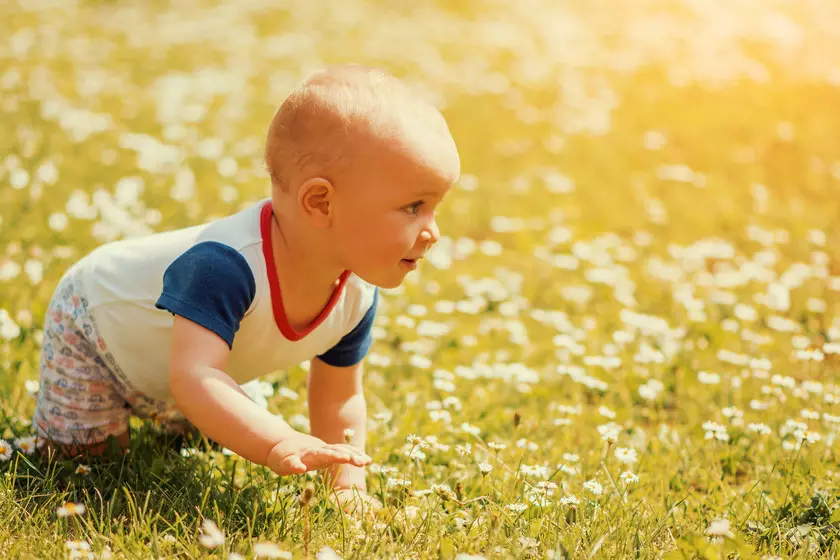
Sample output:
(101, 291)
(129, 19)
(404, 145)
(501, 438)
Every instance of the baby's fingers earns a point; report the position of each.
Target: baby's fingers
(324, 457)
(359, 459)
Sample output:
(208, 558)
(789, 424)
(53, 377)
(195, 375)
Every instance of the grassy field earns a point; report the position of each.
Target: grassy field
(625, 346)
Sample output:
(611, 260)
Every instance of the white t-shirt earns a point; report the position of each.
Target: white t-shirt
(220, 275)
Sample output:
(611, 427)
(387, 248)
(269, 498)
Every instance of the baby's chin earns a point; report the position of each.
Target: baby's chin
(385, 281)
(389, 285)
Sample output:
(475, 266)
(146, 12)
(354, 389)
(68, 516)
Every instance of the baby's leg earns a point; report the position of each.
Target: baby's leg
(78, 406)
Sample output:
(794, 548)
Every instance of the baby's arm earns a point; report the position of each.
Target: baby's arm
(337, 403)
(217, 406)
(336, 400)
(213, 401)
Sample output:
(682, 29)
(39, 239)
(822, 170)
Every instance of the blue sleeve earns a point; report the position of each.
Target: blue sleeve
(210, 284)
(354, 346)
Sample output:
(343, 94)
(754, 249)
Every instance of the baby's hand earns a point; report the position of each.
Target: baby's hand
(300, 453)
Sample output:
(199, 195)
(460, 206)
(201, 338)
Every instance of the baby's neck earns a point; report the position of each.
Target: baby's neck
(304, 271)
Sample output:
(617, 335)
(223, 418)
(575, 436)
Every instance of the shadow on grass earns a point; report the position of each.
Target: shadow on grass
(165, 484)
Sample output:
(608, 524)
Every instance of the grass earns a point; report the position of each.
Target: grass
(638, 204)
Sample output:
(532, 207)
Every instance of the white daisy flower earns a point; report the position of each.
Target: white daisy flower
(5, 450)
(570, 500)
(628, 477)
(70, 509)
(26, 445)
(211, 536)
(270, 550)
(327, 553)
(719, 528)
(808, 436)
(626, 455)
(594, 487)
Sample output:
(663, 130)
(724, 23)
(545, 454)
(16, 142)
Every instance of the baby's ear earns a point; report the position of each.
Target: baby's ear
(315, 198)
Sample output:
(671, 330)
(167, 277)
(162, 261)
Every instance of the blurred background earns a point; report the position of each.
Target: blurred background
(643, 240)
(643, 124)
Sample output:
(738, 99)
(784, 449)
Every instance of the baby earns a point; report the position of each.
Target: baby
(169, 326)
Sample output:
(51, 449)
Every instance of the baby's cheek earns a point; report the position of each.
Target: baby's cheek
(397, 245)
(363, 230)
(382, 238)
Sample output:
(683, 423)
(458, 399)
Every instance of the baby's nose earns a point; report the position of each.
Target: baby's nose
(431, 234)
(427, 239)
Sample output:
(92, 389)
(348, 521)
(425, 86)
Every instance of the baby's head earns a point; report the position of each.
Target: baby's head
(361, 161)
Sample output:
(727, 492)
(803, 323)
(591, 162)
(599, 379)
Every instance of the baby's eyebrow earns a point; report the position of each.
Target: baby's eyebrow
(421, 194)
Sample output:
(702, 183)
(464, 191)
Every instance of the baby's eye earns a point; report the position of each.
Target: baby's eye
(414, 208)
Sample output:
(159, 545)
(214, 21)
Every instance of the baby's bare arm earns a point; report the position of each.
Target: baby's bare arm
(212, 401)
(337, 403)
(217, 406)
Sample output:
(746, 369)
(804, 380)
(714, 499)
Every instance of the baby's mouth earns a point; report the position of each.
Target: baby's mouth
(410, 263)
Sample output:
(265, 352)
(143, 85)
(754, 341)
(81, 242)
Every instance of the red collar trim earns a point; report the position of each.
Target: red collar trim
(280, 318)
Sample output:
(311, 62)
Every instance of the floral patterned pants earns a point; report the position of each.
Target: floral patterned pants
(83, 397)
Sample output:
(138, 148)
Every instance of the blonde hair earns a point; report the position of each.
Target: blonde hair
(316, 125)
